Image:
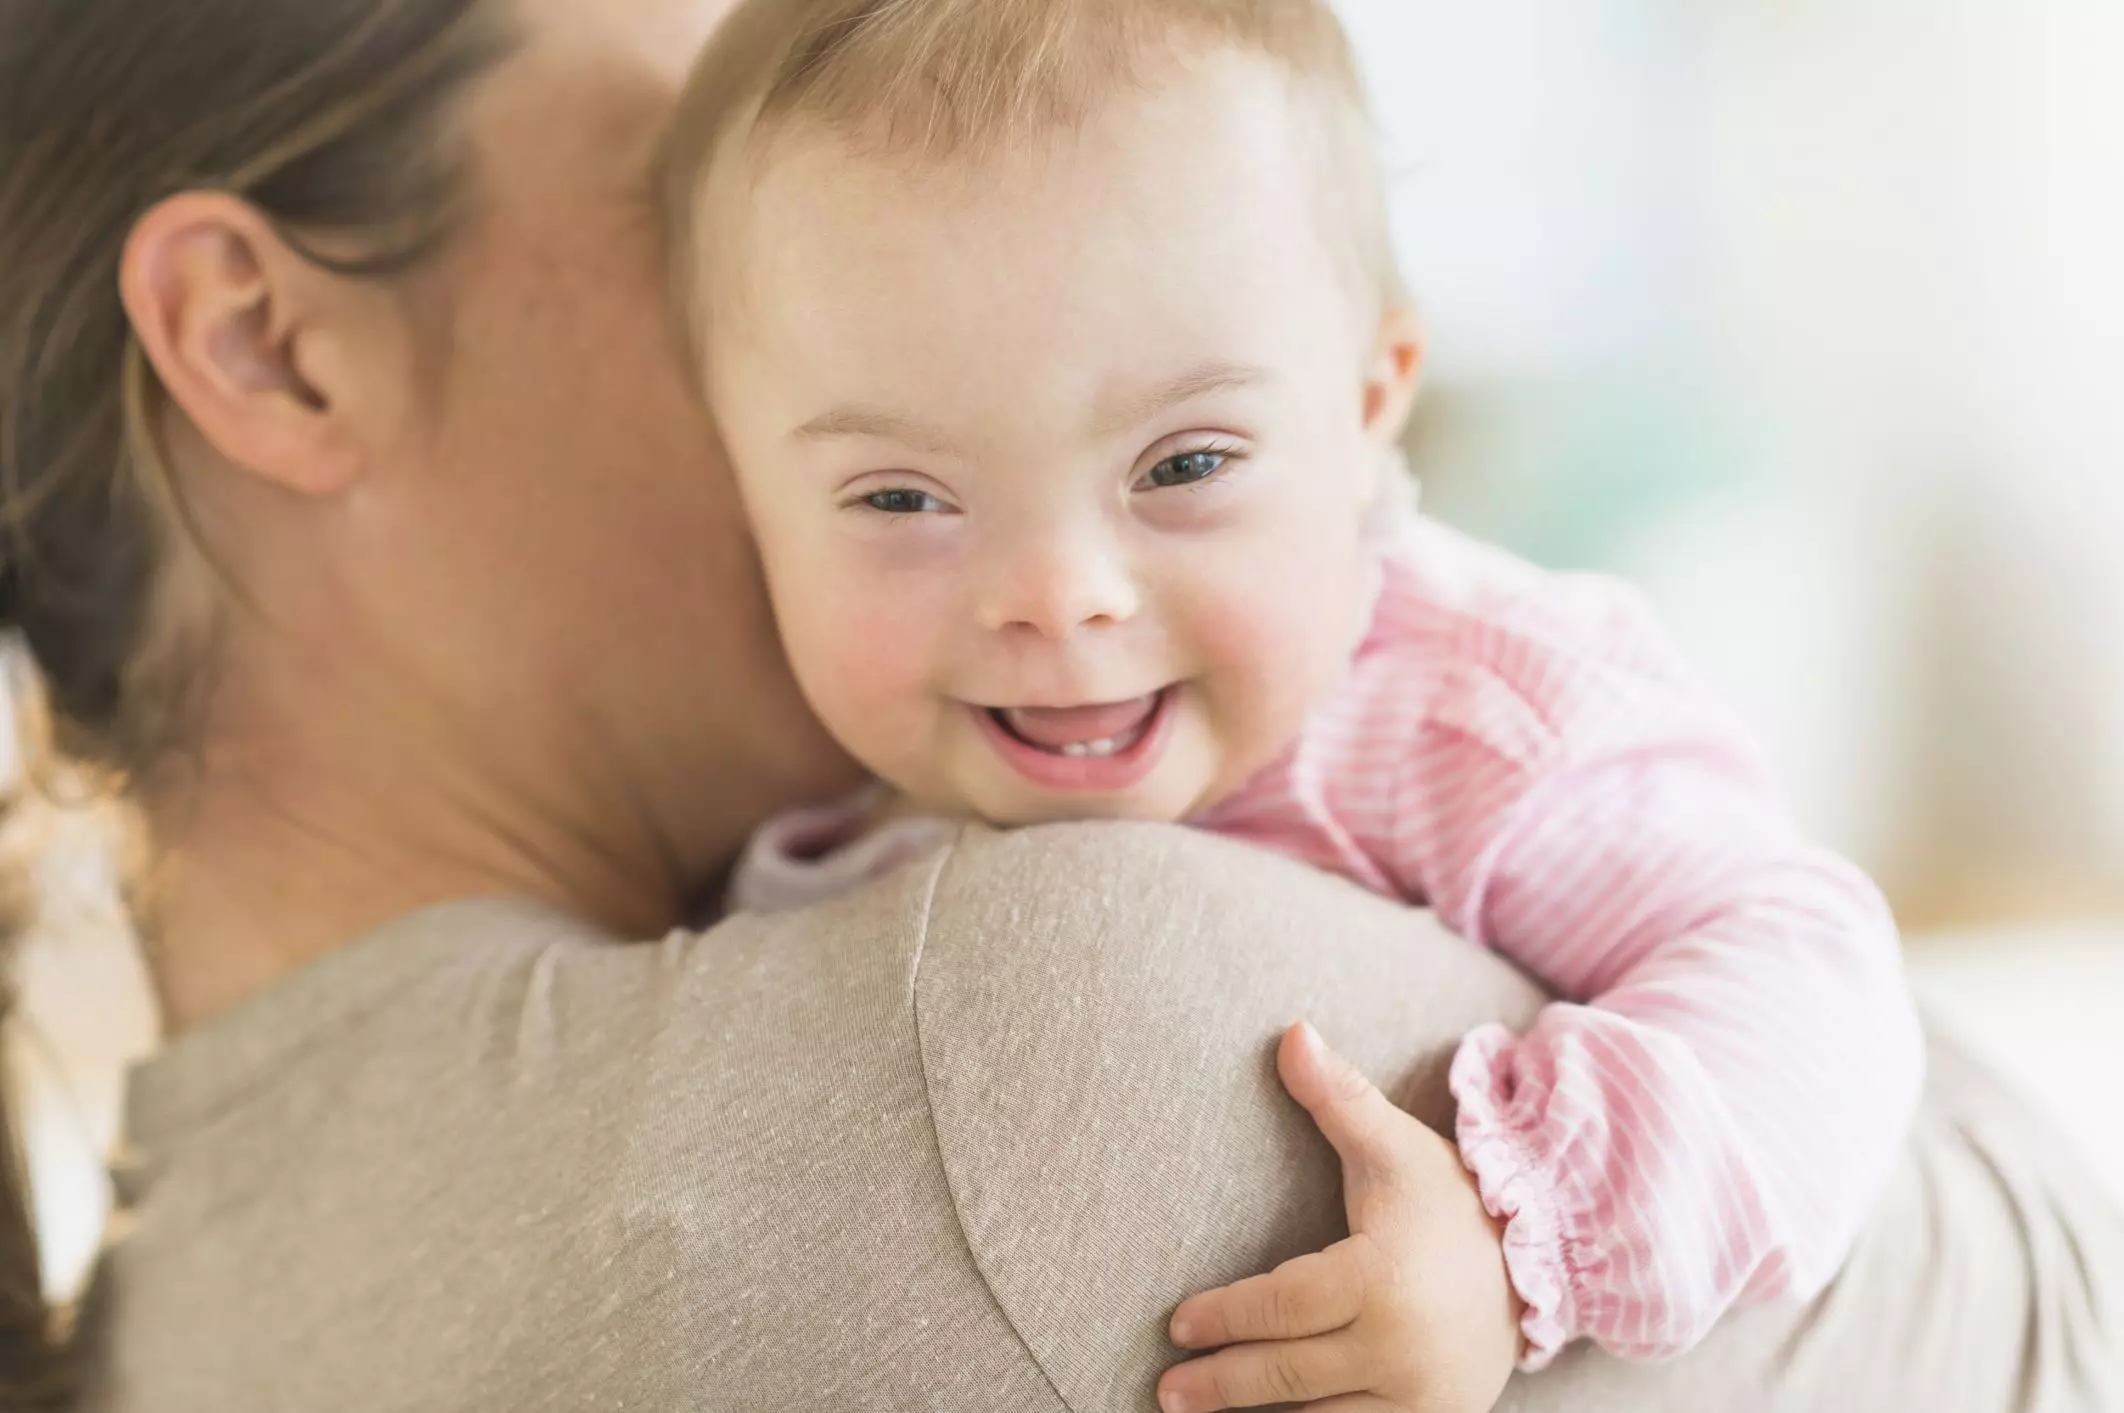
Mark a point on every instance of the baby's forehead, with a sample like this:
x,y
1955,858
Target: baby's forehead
x,y
829,215
966,90
1225,151
1015,311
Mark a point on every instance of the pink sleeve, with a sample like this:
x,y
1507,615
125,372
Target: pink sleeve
x,y
1713,1123
808,856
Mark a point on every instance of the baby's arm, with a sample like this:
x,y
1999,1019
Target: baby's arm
x,y
1714,1123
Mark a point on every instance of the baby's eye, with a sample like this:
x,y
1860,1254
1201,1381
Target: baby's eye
x,y
903,503
1190,468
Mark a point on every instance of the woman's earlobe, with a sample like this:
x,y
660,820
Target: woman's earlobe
x,y
218,302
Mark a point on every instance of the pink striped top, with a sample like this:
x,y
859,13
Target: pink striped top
x,y
1709,1116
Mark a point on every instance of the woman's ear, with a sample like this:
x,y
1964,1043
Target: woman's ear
x,y
245,335
1392,375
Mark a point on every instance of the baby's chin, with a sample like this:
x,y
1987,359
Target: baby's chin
x,y
1067,810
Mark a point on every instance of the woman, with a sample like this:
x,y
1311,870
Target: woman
x,y
362,527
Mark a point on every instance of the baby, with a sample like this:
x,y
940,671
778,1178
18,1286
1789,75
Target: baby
x,y
1060,351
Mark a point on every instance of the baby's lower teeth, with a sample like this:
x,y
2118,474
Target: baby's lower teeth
x,y
1089,750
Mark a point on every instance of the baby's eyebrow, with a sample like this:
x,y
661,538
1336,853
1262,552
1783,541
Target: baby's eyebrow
x,y
864,420
1133,411
858,420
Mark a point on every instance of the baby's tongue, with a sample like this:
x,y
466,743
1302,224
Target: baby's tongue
x,y
1052,728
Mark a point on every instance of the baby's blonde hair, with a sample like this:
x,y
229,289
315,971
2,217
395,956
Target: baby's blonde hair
x,y
936,80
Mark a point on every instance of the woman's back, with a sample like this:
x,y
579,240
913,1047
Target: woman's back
x,y
958,1143
489,1159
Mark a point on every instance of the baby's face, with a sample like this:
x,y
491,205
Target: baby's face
x,y
1061,466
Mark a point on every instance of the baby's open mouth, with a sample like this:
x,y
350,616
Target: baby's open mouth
x,y
1082,732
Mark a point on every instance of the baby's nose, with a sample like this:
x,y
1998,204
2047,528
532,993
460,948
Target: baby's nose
x,y
1056,591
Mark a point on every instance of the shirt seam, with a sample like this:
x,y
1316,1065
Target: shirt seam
x,y
958,1215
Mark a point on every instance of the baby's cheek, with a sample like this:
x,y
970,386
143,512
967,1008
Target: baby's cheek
x,y
867,663
1274,641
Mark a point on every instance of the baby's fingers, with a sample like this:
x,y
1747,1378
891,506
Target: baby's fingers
x,y
1252,1375
1365,1128
1311,1295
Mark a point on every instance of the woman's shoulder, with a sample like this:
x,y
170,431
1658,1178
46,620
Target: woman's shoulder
x,y
491,1127
618,1165
631,1166
522,997
1099,1007
495,989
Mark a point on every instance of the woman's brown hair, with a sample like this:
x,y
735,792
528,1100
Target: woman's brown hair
x,y
332,118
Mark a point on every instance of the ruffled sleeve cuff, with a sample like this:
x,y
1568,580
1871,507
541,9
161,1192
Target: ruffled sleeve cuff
x,y
1518,1189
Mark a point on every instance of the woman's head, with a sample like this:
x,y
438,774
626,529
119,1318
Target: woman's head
x,y
325,117
107,107
347,479
331,358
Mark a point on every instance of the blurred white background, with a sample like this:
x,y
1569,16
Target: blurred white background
x,y
1807,315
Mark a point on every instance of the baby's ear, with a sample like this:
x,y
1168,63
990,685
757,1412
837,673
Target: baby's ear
x,y
1392,375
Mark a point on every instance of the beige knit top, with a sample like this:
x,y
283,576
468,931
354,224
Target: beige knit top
x,y
958,1143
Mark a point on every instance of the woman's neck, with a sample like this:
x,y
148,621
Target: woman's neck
x,y
271,856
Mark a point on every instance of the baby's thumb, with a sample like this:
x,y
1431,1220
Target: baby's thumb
x,y
1357,1119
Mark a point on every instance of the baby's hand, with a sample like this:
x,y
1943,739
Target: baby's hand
x,y
1412,1314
